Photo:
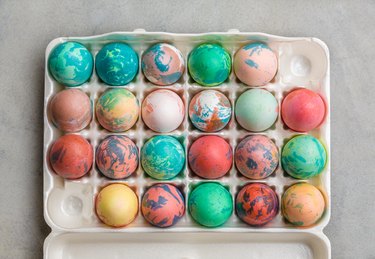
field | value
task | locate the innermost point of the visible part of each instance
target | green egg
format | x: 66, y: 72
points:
x: 210, y: 204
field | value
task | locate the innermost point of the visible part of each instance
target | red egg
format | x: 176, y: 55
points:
x: 71, y: 156
x: 303, y: 110
x: 210, y: 157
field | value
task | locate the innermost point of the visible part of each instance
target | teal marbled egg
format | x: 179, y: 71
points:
x: 116, y: 64
x: 70, y: 63
x: 303, y: 157
x: 209, y: 64
x: 162, y: 157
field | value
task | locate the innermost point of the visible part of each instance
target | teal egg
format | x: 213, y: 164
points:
x: 303, y: 157
x: 256, y: 110
x: 210, y: 204
x: 70, y: 63
x: 162, y: 157
x: 116, y: 64
x: 209, y: 64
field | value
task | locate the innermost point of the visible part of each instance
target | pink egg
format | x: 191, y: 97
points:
x: 255, y: 64
x: 163, y: 111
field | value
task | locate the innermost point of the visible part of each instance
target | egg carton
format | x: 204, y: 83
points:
x: 69, y: 204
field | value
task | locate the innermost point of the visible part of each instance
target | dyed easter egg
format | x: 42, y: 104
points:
x: 255, y: 64
x: 163, y: 111
x: 162, y: 157
x: 210, y: 157
x: 117, y: 157
x: 210, y: 111
x: 116, y: 205
x: 303, y: 157
x: 210, y: 204
x: 303, y: 110
x: 116, y: 64
x: 209, y: 64
x: 257, y: 204
x: 256, y: 110
x: 162, y: 64
x: 71, y: 110
x: 71, y: 156
x: 117, y: 110
x: 163, y: 205
x: 70, y: 63
x: 256, y: 157
x: 302, y: 204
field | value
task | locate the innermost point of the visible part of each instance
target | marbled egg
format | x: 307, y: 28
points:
x: 210, y: 204
x: 256, y: 110
x: 303, y: 110
x: 70, y: 63
x: 209, y: 64
x: 163, y: 111
x: 71, y: 156
x: 255, y: 64
x: 302, y: 204
x: 71, y: 110
x: 116, y: 64
x: 303, y: 157
x: 256, y: 157
x: 163, y: 205
x: 117, y: 110
x: 210, y: 111
x: 257, y: 204
x: 116, y: 205
x: 162, y: 64
x: 162, y: 157
x: 117, y: 157
x: 210, y: 157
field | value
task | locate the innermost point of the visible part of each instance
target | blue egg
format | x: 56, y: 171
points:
x: 70, y: 63
x: 116, y: 64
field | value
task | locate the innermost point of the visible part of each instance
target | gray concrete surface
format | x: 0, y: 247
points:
x: 348, y: 27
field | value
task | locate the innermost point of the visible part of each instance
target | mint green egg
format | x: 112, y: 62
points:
x: 210, y: 204
x: 256, y: 110
x: 209, y: 64
x: 303, y: 157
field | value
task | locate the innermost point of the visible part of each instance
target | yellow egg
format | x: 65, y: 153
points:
x: 302, y: 204
x: 116, y: 205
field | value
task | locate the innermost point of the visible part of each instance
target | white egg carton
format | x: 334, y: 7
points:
x: 69, y: 204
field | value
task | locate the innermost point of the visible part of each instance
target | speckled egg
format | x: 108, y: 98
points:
x: 162, y: 157
x: 163, y: 205
x: 256, y: 157
x: 116, y: 205
x: 256, y: 110
x: 210, y: 157
x: 210, y: 204
x: 210, y: 111
x: 162, y: 64
x: 255, y: 64
x: 209, y: 64
x: 71, y: 110
x: 117, y: 157
x: 163, y: 111
x: 117, y: 110
x: 71, y: 156
x: 303, y: 157
x: 70, y: 63
x: 303, y: 110
x: 116, y: 64
x: 302, y: 204
x: 257, y: 204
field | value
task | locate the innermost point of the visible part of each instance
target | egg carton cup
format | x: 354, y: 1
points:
x: 69, y: 204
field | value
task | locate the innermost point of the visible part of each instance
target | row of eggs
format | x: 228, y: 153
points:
x: 163, y: 110
x: 209, y: 204
x: 116, y: 64
x: 210, y: 157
